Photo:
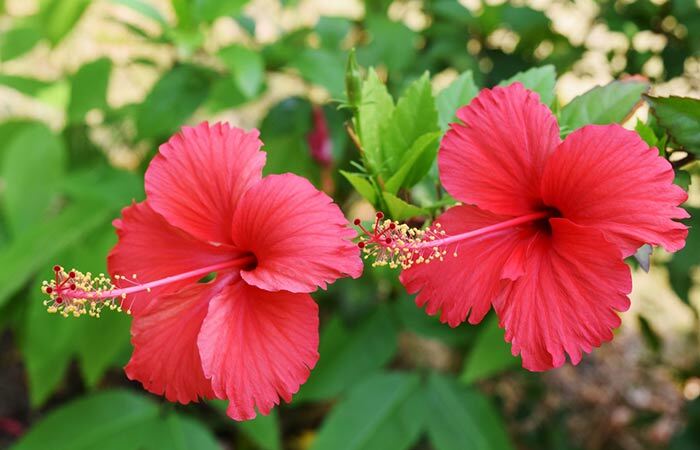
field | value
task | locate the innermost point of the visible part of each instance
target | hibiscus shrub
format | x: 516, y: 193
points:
x: 222, y: 266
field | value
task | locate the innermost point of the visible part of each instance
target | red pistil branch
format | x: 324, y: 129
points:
x: 398, y: 245
x: 76, y: 293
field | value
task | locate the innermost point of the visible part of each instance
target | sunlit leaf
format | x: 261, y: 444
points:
x: 362, y: 185
x: 680, y: 116
x: 89, y: 89
x: 538, y: 79
x: 247, y: 68
x: 459, y: 93
x: 376, y: 107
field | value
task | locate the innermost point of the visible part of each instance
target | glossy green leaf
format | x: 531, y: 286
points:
x: 172, y: 101
x: 415, y: 163
x: 18, y: 40
x: 35, y: 248
x: 539, y: 79
x: 263, y: 431
x: 31, y: 171
x: 112, y: 420
x: 680, y: 117
x: 60, y: 16
x: 460, y: 418
x: 602, y: 105
x: 459, y: 93
x: 400, y: 209
x: 490, y: 354
x: 414, y: 116
x: 89, y: 89
x: 386, y: 411
x: 683, y: 262
x: 349, y: 355
x: 247, y: 68
x: 376, y: 107
x: 362, y: 185
x: 647, y: 134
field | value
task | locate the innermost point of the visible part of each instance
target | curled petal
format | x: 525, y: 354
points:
x: 258, y: 346
x: 496, y: 157
x: 567, y: 298
x: 607, y: 177
x: 200, y: 174
x: 164, y: 335
x: 299, y: 236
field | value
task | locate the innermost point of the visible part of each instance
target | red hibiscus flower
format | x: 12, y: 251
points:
x: 544, y: 227
x: 250, y: 335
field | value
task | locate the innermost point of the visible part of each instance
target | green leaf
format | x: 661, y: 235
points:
x: 416, y: 162
x: 31, y: 171
x: 18, y: 40
x: 27, y: 86
x: 247, y: 68
x: 263, y: 431
x: 178, y: 432
x: 105, y: 185
x: 60, y: 16
x: 490, y: 354
x: 209, y: 10
x: 144, y: 8
x: 112, y: 420
x: 386, y: 411
x: 399, y: 209
x: 89, y: 89
x: 349, y: 355
x: 683, y: 262
x: 392, y: 44
x: 362, y: 185
x: 414, y: 116
x: 460, y: 418
x: 459, y: 93
x: 417, y: 321
x: 377, y: 106
x: 35, y: 248
x: 680, y: 116
x: 538, y: 79
x: 332, y: 31
x: 602, y: 105
x: 647, y: 134
x: 172, y: 101
x: 323, y: 67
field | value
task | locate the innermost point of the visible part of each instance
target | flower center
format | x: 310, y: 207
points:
x: 397, y: 245
x: 76, y: 293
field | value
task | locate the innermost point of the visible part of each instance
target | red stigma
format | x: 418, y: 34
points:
x: 49, y: 290
x: 56, y: 268
x: 59, y: 300
x: 361, y: 244
x: 380, y: 215
x: 392, y: 225
x: 388, y: 240
x: 357, y: 221
x: 71, y: 274
x: 73, y: 287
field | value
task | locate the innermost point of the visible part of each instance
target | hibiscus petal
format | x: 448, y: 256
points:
x: 495, y: 159
x: 258, y: 346
x: 607, y: 177
x: 299, y: 236
x: 164, y: 335
x: 462, y: 287
x: 199, y: 175
x: 152, y: 249
x: 566, y: 300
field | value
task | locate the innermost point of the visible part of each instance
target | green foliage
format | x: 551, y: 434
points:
x: 681, y: 266
x: 612, y: 103
x: 459, y: 93
x: 60, y: 16
x: 680, y: 117
x: 350, y: 355
x: 538, y: 79
x: 247, y: 68
x: 18, y: 40
x: 385, y: 411
x: 462, y: 418
x: 116, y: 420
x: 89, y: 89
x: 490, y: 354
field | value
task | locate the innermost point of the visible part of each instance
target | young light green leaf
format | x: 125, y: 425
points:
x: 401, y: 210
x: 461, y: 418
x: 247, y: 68
x: 680, y: 116
x: 31, y: 171
x: 362, y: 185
x: 414, y: 116
x: 647, y: 134
x: 459, y: 93
x: 18, y: 40
x: 108, y: 420
x: 539, y: 79
x: 386, y: 411
x: 490, y: 354
x: 376, y: 107
x: 209, y: 10
x: 172, y: 101
x: 89, y: 89
x: 349, y: 355
x: 60, y: 16
x: 27, y: 86
x: 415, y: 163
x: 611, y: 103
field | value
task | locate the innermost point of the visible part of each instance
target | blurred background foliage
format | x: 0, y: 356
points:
x: 89, y: 89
